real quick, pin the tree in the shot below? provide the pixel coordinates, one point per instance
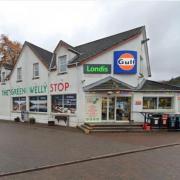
(9, 50)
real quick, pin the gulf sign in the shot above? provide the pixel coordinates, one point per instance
(125, 62)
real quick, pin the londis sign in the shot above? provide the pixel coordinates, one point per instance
(125, 62)
(97, 68)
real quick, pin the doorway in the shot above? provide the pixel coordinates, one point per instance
(116, 108)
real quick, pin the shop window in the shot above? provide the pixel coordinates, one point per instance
(64, 103)
(38, 103)
(62, 64)
(19, 103)
(35, 70)
(165, 103)
(149, 102)
(19, 74)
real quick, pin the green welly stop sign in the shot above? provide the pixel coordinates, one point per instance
(97, 68)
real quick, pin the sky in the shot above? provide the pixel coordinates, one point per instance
(44, 23)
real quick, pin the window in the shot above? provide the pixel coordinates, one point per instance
(19, 74)
(165, 103)
(38, 103)
(35, 70)
(62, 64)
(3, 76)
(64, 103)
(157, 102)
(19, 103)
(149, 102)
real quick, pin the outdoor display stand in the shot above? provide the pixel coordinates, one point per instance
(25, 116)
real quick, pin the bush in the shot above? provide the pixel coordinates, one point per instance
(32, 120)
(17, 119)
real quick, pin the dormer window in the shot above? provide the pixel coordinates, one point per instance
(62, 64)
(19, 74)
(36, 70)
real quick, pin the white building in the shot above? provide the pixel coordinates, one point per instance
(101, 81)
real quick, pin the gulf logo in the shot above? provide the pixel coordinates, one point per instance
(126, 61)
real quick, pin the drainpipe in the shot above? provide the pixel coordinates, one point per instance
(77, 89)
(48, 84)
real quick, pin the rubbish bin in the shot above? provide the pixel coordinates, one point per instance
(155, 120)
(177, 123)
(172, 122)
(164, 120)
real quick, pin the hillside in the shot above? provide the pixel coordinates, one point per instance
(173, 81)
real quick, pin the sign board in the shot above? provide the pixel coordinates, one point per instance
(93, 109)
(125, 62)
(36, 89)
(97, 69)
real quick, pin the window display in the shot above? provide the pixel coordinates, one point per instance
(64, 103)
(19, 103)
(38, 103)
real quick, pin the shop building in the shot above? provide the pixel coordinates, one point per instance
(101, 81)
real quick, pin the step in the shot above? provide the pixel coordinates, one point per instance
(113, 128)
(112, 125)
(117, 130)
(86, 131)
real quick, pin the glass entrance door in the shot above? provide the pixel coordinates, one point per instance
(123, 108)
(116, 108)
(104, 109)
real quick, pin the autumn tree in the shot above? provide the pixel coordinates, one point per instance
(9, 50)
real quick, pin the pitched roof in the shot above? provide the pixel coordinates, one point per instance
(95, 47)
(148, 85)
(44, 55)
(107, 84)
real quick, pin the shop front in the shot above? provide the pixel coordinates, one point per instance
(108, 108)
(109, 100)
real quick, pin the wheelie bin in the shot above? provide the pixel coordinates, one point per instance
(172, 122)
(177, 123)
(164, 120)
(155, 120)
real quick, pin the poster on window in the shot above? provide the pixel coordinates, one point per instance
(93, 108)
(19, 103)
(38, 103)
(64, 103)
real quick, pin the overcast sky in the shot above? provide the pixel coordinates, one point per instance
(46, 22)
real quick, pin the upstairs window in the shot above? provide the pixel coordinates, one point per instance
(62, 64)
(19, 74)
(35, 70)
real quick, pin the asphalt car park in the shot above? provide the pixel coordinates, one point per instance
(24, 146)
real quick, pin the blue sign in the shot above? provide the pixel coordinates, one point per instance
(125, 62)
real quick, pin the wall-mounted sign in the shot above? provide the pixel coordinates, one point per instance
(36, 89)
(125, 62)
(138, 102)
(54, 87)
(93, 108)
(97, 68)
